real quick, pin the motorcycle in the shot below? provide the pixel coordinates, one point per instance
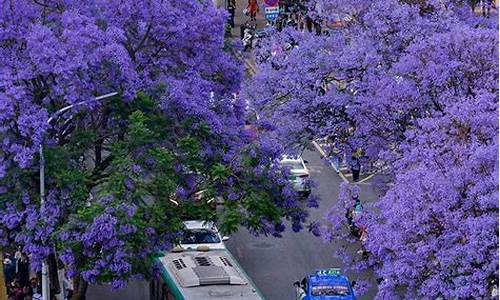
(351, 215)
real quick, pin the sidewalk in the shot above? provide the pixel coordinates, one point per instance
(240, 19)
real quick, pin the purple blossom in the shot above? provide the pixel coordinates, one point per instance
(129, 209)
(127, 229)
(25, 198)
(90, 275)
(12, 218)
(67, 257)
(106, 200)
(233, 196)
(129, 184)
(118, 284)
(52, 58)
(136, 169)
(296, 227)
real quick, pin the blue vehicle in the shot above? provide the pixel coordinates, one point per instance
(325, 285)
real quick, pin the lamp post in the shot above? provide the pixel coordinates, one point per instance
(45, 268)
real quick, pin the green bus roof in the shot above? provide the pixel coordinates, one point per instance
(193, 275)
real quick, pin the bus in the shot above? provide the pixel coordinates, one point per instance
(201, 273)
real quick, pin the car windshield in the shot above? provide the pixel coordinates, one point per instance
(200, 236)
(330, 290)
(292, 164)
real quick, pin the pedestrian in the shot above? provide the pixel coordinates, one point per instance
(309, 24)
(243, 27)
(16, 290)
(34, 285)
(357, 207)
(355, 168)
(231, 8)
(348, 216)
(23, 270)
(253, 9)
(9, 268)
(484, 7)
(27, 292)
(317, 27)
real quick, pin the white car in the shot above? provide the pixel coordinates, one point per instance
(202, 233)
(299, 174)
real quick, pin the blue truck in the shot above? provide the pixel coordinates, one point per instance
(327, 284)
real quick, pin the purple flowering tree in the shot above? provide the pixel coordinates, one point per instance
(414, 85)
(122, 174)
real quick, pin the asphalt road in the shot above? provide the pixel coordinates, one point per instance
(275, 263)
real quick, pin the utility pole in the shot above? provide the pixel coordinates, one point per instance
(3, 288)
(45, 267)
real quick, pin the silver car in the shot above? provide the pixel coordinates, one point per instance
(299, 174)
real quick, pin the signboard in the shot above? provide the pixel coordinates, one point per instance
(271, 2)
(271, 12)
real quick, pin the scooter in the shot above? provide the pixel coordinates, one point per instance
(300, 292)
(248, 37)
(351, 215)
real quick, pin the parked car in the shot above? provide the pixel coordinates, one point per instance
(202, 233)
(325, 284)
(299, 174)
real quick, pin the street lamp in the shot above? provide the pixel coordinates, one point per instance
(45, 271)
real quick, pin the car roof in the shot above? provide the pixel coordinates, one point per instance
(328, 280)
(197, 224)
(286, 158)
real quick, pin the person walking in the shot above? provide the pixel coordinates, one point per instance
(253, 9)
(23, 270)
(355, 168)
(243, 27)
(9, 268)
(231, 8)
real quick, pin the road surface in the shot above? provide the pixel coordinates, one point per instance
(275, 263)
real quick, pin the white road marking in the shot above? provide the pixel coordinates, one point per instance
(367, 177)
(322, 152)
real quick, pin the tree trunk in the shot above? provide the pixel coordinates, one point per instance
(3, 288)
(79, 288)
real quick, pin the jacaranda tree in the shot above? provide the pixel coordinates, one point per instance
(414, 85)
(122, 173)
